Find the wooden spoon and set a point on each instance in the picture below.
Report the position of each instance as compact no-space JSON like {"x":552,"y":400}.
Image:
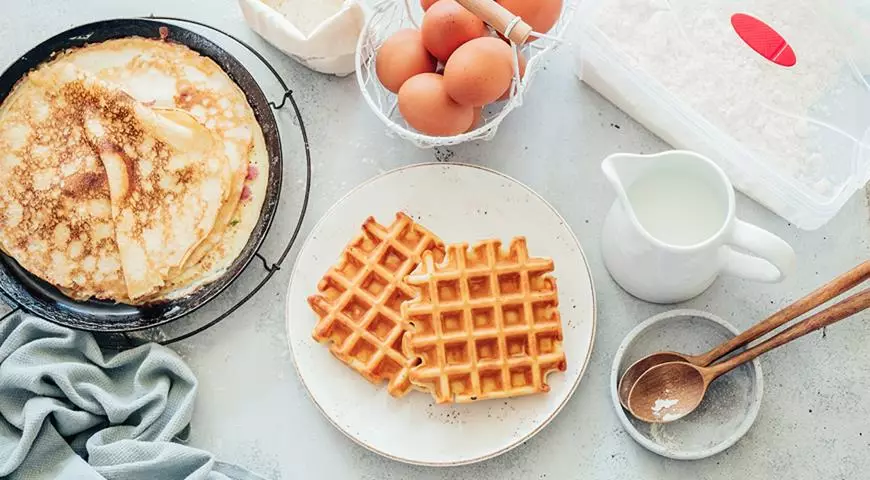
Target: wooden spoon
{"x":832,"y":289}
{"x":500,"y":18}
{"x":670,"y":391}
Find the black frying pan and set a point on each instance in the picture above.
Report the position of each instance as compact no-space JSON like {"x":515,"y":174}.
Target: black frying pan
{"x":40,"y":298}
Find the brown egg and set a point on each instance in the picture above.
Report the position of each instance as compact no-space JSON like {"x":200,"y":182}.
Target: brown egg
{"x":401,"y":57}
{"x":540,"y":14}
{"x":426,"y":4}
{"x":447,"y":25}
{"x":479,"y":72}
{"x":523,"y":62}
{"x":424,"y":103}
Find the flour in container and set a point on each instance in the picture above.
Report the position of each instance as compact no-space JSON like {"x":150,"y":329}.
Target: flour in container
{"x":801,"y":123}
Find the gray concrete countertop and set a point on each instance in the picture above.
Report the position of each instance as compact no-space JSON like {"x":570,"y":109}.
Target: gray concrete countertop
{"x":252,"y":410}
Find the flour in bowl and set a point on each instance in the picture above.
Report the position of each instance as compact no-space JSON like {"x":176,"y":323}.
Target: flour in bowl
{"x":306,"y":15}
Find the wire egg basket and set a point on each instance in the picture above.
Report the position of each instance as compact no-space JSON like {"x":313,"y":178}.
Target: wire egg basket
{"x":389,"y":16}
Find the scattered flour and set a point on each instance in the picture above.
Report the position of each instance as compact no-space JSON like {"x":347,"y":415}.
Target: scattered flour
{"x":660,"y":433}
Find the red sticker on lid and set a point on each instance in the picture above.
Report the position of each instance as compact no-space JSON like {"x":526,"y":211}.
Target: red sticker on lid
{"x":763,"y":39}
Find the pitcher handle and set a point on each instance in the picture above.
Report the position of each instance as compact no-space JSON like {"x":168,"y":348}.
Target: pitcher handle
{"x":775,"y":258}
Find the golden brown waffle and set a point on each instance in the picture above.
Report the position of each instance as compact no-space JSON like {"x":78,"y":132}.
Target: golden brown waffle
{"x":359,"y":304}
{"x":486,"y":324}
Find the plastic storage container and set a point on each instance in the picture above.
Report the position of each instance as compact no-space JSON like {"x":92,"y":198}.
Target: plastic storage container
{"x":795,"y":138}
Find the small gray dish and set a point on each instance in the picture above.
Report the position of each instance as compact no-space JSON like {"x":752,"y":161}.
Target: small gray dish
{"x":731,"y":404}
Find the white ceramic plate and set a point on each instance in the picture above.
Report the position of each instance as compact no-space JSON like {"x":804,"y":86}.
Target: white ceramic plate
{"x":460,"y":203}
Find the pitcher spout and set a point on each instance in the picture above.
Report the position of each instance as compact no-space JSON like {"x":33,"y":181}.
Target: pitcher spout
{"x":622,"y":169}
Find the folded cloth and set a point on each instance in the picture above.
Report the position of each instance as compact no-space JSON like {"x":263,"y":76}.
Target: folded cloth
{"x":70,"y":411}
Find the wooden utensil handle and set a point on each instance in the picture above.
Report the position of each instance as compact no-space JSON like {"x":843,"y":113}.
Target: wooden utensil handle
{"x":832,"y":289}
{"x":500,"y":18}
{"x":844,"y":309}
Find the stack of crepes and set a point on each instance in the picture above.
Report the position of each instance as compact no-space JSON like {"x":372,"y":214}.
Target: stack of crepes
{"x":131,"y":171}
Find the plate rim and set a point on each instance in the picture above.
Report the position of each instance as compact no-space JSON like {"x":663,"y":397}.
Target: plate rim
{"x":516,"y":443}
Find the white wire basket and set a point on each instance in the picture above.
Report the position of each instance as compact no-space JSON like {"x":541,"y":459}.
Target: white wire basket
{"x":389,"y":16}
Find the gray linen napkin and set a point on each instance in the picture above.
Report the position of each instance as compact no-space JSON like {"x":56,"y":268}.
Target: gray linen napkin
{"x":70,"y":411}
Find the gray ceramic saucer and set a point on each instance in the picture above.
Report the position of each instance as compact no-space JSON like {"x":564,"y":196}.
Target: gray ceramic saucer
{"x":731,"y":404}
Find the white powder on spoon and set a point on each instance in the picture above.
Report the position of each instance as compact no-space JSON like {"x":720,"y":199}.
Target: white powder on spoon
{"x":663,"y":404}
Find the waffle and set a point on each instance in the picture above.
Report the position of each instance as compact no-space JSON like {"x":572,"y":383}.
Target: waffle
{"x":359,"y":300}
{"x":486,"y":323}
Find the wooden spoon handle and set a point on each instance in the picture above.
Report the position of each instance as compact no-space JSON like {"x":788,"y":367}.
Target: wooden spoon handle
{"x":844,"y":309}
{"x":500,"y":18}
{"x":832,"y":289}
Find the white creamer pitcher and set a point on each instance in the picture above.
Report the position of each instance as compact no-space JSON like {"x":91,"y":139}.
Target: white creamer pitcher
{"x":671,"y":231}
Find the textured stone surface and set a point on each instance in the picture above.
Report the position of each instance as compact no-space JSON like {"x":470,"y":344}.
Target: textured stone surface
{"x":815,"y":421}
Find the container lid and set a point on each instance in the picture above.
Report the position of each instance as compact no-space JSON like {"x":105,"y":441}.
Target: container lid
{"x":781,"y":84}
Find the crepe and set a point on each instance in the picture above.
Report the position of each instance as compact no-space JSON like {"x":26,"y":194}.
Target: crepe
{"x":168,"y":179}
{"x":166,"y":174}
{"x":168,"y":75}
{"x":55,"y":210}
